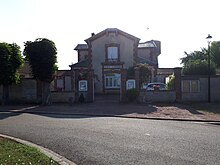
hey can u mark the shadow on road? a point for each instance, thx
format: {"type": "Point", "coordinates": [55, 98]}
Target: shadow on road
{"type": "Point", "coordinates": [4, 115]}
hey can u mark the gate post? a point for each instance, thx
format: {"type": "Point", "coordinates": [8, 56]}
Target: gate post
{"type": "Point", "coordinates": [137, 78]}
{"type": "Point", "coordinates": [90, 91]}
{"type": "Point", "coordinates": [123, 85]}
{"type": "Point", "coordinates": [177, 83]}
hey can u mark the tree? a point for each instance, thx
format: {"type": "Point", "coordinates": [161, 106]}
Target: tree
{"type": "Point", "coordinates": [215, 52]}
{"type": "Point", "coordinates": [10, 62]}
{"type": "Point", "coordinates": [195, 63]}
{"type": "Point", "coordinates": [198, 67]}
{"type": "Point", "coordinates": [196, 55]}
{"type": "Point", "coordinates": [41, 55]}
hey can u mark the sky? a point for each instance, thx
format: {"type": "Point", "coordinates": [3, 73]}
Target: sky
{"type": "Point", "coordinates": [180, 25]}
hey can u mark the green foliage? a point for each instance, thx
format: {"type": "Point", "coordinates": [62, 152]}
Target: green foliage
{"type": "Point", "coordinates": [198, 67]}
{"type": "Point", "coordinates": [15, 153]}
{"type": "Point", "coordinates": [195, 63]}
{"type": "Point", "coordinates": [170, 83]}
{"type": "Point", "coordinates": [144, 73]}
{"type": "Point", "coordinates": [10, 62]}
{"type": "Point", "coordinates": [42, 57]}
{"type": "Point", "coordinates": [132, 94]}
{"type": "Point", "coordinates": [215, 53]}
{"type": "Point", "coordinates": [193, 56]}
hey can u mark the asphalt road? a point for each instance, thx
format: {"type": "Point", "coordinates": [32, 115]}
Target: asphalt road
{"type": "Point", "coordinates": [102, 140]}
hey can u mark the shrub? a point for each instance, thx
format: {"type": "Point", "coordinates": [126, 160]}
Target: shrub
{"type": "Point", "coordinates": [132, 95]}
{"type": "Point", "coordinates": [170, 83]}
{"type": "Point", "coordinates": [81, 98]}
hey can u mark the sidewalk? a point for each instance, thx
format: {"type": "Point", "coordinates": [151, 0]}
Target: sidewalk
{"type": "Point", "coordinates": [116, 109]}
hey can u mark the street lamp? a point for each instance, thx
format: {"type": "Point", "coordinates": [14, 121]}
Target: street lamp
{"type": "Point", "coordinates": [209, 71]}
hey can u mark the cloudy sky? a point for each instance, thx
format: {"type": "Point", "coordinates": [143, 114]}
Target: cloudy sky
{"type": "Point", "coordinates": [180, 25]}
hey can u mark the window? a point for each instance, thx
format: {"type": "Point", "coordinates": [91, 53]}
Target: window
{"type": "Point", "coordinates": [194, 86]}
{"type": "Point", "coordinates": [185, 85]}
{"type": "Point", "coordinates": [60, 85]}
{"type": "Point", "coordinates": [112, 53]}
{"type": "Point", "coordinates": [190, 86]}
{"type": "Point", "coordinates": [112, 80]}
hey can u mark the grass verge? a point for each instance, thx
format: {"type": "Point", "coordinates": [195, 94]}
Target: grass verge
{"type": "Point", "coordinates": [14, 153]}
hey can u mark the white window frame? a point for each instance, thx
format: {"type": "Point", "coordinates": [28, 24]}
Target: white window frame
{"type": "Point", "coordinates": [112, 53]}
{"type": "Point", "coordinates": [83, 86]}
{"type": "Point", "coordinates": [114, 77]}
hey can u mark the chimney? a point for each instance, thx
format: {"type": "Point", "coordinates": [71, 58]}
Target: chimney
{"type": "Point", "coordinates": [92, 34]}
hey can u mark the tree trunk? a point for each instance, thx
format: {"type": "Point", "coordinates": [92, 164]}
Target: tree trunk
{"type": "Point", "coordinates": [5, 95]}
{"type": "Point", "coordinates": [46, 93]}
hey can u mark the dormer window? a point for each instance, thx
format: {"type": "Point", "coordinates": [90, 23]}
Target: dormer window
{"type": "Point", "coordinates": [112, 52]}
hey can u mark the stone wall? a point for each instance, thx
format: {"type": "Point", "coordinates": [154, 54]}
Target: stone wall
{"type": "Point", "coordinates": [62, 97]}
{"type": "Point", "coordinates": [202, 95]}
{"type": "Point", "coordinates": [25, 91]}
{"type": "Point", "coordinates": [157, 96]}
{"type": "Point", "coordinates": [126, 53]}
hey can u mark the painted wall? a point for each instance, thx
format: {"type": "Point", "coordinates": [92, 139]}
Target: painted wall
{"type": "Point", "coordinates": [82, 55]}
{"type": "Point", "coordinates": [25, 91]}
{"type": "Point", "coordinates": [62, 97]}
{"type": "Point", "coordinates": [149, 54]}
{"type": "Point", "coordinates": [157, 96]}
{"type": "Point", "coordinates": [99, 54]}
{"type": "Point", "coordinates": [202, 95]}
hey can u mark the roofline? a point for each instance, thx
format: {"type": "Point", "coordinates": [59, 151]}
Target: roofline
{"type": "Point", "coordinates": [104, 32]}
{"type": "Point", "coordinates": [80, 48]}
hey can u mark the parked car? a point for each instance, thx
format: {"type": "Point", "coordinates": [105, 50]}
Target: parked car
{"type": "Point", "coordinates": [154, 86]}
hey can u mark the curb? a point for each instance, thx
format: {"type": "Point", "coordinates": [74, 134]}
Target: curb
{"type": "Point", "coordinates": [56, 157]}
{"type": "Point", "coordinates": [118, 116]}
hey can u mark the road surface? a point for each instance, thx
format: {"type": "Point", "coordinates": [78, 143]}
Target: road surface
{"type": "Point", "coordinates": [107, 141]}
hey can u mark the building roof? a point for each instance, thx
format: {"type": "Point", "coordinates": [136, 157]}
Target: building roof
{"type": "Point", "coordinates": [80, 64]}
{"type": "Point", "coordinates": [61, 73]}
{"type": "Point", "coordinates": [165, 71]}
{"type": "Point", "coordinates": [111, 30]}
{"type": "Point", "coordinates": [156, 45]}
{"type": "Point", "coordinates": [146, 61]}
{"type": "Point", "coordinates": [147, 44]}
{"type": "Point", "coordinates": [81, 47]}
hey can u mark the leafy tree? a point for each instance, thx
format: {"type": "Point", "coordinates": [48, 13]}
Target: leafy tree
{"type": "Point", "coordinates": [10, 61]}
{"type": "Point", "coordinates": [198, 67]}
{"type": "Point", "coordinates": [196, 55]}
{"type": "Point", "coordinates": [215, 53]}
{"type": "Point", "coordinates": [195, 63]}
{"type": "Point", "coordinates": [42, 57]}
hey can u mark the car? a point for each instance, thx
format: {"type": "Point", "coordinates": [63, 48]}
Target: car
{"type": "Point", "coordinates": [154, 86]}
